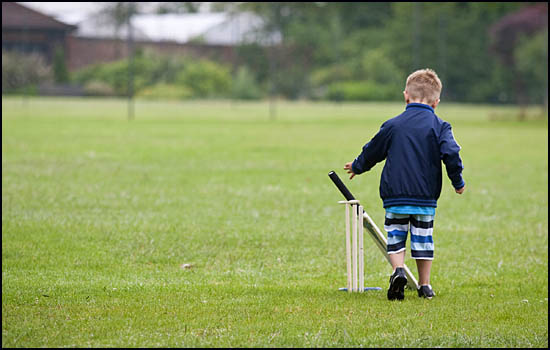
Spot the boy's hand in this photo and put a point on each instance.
(460, 190)
(348, 168)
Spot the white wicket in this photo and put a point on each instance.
(354, 249)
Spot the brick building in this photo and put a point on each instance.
(85, 51)
(91, 41)
(26, 30)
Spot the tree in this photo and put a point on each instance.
(325, 43)
(120, 14)
(531, 57)
(117, 14)
(507, 35)
(178, 7)
(60, 72)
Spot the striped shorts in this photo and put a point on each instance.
(421, 227)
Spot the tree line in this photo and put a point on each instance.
(484, 52)
(490, 52)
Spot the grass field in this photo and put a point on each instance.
(99, 214)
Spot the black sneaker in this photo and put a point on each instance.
(426, 291)
(397, 284)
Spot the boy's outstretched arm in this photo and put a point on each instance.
(450, 149)
(373, 152)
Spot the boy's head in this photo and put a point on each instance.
(423, 86)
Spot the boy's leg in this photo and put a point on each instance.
(397, 259)
(422, 245)
(424, 267)
(397, 227)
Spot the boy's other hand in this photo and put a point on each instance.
(350, 171)
(460, 190)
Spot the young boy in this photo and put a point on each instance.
(414, 143)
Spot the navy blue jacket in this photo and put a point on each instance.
(414, 143)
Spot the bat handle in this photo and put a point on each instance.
(340, 185)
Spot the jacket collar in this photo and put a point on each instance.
(419, 105)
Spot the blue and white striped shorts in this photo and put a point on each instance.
(421, 227)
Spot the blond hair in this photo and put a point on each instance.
(424, 85)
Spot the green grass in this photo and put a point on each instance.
(99, 214)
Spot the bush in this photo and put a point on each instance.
(98, 88)
(379, 68)
(205, 78)
(322, 78)
(115, 74)
(23, 71)
(245, 86)
(157, 74)
(165, 91)
(361, 91)
(331, 74)
(376, 78)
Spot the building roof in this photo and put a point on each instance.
(217, 28)
(15, 15)
(177, 27)
(153, 27)
(239, 28)
(214, 28)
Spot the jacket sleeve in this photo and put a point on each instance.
(449, 149)
(374, 151)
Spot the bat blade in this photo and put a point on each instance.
(380, 241)
(374, 232)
